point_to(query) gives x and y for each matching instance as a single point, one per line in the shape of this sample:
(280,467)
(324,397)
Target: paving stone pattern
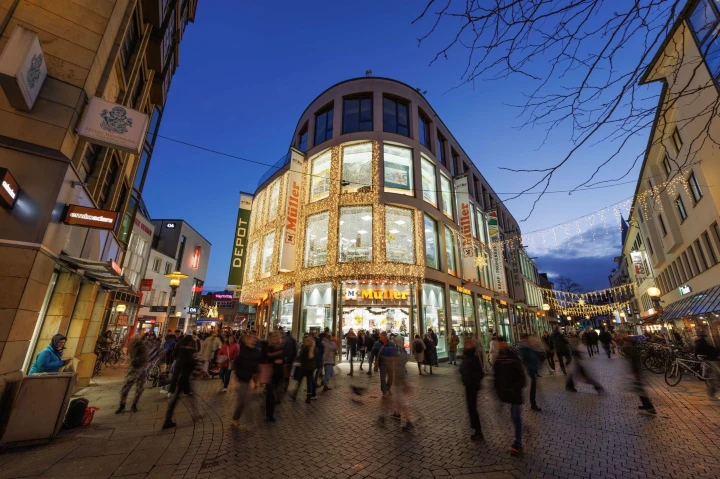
(580,435)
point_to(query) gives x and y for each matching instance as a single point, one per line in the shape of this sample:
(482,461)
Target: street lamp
(175,278)
(546,307)
(120,308)
(654,294)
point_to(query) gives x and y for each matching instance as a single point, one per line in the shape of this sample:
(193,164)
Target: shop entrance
(377,306)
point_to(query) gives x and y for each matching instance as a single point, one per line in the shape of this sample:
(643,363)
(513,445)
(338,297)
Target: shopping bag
(88,415)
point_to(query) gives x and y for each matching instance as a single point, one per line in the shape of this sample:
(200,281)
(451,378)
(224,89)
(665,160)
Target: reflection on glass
(357,167)
(267,253)
(317,305)
(446,193)
(450,251)
(433,315)
(316,240)
(431,243)
(320,179)
(429,185)
(250,274)
(399,235)
(398,166)
(282,310)
(356,230)
(273,197)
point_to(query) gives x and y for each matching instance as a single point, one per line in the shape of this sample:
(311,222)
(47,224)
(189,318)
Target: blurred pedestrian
(208,349)
(226,357)
(562,348)
(632,353)
(549,351)
(384,352)
(419,353)
(430,352)
(318,357)
(578,371)
(587,341)
(328,360)
(246,365)
(710,352)
(594,339)
(531,361)
(606,339)
(351,342)
(362,347)
(184,365)
(308,363)
(471,371)
(493,348)
(452,347)
(136,373)
(435,340)
(273,357)
(509,383)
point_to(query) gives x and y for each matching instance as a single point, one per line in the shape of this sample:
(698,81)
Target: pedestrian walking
(606,339)
(530,358)
(136,373)
(632,353)
(184,365)
(384,352)
(710,352)
(435,341)
(452,347)
(308,363)
(549,351)
(291,351)
(318,358)
(246,366)
(419,353)
(430,352)
(351,342)
(50,360)
(329,350)
(471,371)
(509,383)
(562,348)
(208,348)
(273,357)
(587,341)
(226,358)
(493,348)
(578,371)
(370,346)
(362,347)
(594,340)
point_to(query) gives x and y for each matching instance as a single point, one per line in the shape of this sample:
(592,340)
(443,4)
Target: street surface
(579,435)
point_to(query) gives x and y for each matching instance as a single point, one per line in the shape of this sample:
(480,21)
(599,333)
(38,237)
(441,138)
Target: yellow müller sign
(354,294)
(463,290)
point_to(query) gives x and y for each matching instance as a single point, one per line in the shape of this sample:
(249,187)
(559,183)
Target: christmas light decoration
(480,261)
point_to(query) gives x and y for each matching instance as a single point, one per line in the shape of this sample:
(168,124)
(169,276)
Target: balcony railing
(284,160)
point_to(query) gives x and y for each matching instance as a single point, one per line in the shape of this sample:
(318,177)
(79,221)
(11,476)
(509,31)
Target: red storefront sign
(146,285)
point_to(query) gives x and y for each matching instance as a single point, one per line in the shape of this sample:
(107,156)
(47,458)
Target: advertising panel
(292,212)
(239,252)
(497,263)
(9,189)
(112,125)
(638,262)
(467,247)
(23,68)
(90,217)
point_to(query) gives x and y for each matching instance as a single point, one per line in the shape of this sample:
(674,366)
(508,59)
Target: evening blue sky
(249,69)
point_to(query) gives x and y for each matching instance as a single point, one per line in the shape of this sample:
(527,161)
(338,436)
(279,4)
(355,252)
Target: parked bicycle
(686,363)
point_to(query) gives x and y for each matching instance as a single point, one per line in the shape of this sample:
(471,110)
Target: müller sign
(90,217)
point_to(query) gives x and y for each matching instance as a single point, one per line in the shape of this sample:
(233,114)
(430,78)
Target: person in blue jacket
(49,360)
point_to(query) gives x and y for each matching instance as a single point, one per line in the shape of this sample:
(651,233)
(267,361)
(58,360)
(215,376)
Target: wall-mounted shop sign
(239,251)
(192,310)
(22,68)
(292,212)
(112,125)
(379,294)
(158,309)
(504,303)
(638,262)
(497,261)
(222,296)
(486,297)
(685,289)
(170,225)
(467,247)
(146,285)
(463,290)
(90,217)
(9,189)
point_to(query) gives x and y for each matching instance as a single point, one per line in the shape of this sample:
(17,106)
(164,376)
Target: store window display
(317,307)
(281,315)
(433,315)
(357,167)
(399,235)
(316,237)
(356,231)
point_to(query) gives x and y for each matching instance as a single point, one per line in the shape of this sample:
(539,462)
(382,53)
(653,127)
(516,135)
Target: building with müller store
(82,91)
(378,219)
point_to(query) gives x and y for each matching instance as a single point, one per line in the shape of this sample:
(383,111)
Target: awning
(707,301)
(101,271)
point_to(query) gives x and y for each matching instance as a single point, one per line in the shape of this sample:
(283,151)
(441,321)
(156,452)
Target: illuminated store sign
(463,290)
(223,296)
(115,126)
(90,217)
(23,68)
(292,212)
(685,289)
(8,189)
(239,251)
(354,294)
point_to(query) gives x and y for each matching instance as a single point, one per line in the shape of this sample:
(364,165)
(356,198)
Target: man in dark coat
(562,348)
(509,383)
(472,374)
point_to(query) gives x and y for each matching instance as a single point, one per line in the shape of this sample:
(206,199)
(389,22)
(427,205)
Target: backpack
(418,348)
(75,413)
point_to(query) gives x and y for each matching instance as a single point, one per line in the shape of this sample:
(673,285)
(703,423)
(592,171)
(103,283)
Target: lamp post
(175,278)
(654,294)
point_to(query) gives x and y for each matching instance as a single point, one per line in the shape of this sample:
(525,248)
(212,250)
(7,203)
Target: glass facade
(357,167)
(281,315)
(451,252)
(432,256)
(317,307)
(429,181)
(320,177)
(446,194)
(267,254)
(316,238)
(355,238)
(398,169)
(486,319)
(399,235)
(433,315)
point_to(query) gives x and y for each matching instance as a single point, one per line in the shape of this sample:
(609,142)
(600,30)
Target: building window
(423,130)
(676,271)
(432,259)
(323,125)
(703,260)
(441,144)
(130,41)
(429,181)
(267,254)
(446,195)
(317,307)
(250,272)
(357,167)
(141,169)
(662,225)
(692,261)
(710,248)
(703,20)
(716,229)
(433,314)
(398,169)
(684,268)
(168,267)
(110,178)
(273,199)
(91,155)
(399,235)
(694,188)
(450,252)
(139,86)
(162,300)
(156,265)
(650,249)
(320,179)
(357,114)
(677,141)
(480,222)
(395,117)
(316,237)
(681,208)
(356,232)
(666,165)
(302,139)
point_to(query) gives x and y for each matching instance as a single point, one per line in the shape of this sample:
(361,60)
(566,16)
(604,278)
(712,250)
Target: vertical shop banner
(638,263)
(242,231)
(498,265)
(292,212)
(517,275)
(467,248)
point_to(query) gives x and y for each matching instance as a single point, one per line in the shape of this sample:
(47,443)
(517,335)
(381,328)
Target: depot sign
(90,217)
(9,189)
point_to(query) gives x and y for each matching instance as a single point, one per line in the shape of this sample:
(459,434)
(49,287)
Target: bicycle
(695,365)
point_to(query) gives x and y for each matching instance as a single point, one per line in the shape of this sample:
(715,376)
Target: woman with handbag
(226,357)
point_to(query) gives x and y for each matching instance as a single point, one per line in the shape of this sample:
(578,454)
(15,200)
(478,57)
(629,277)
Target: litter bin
(38,409)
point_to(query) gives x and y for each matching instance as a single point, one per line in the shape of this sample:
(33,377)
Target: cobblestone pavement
(579,435)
